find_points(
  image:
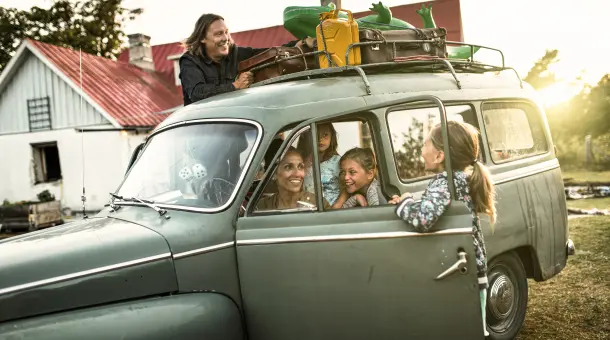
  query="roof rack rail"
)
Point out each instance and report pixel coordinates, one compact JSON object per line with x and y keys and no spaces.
{"x":486,"y":67}
{"x":423,"y":60}
{"x":397,"y":60}
{"x":316,"y":72}
{"x":472,"y":47}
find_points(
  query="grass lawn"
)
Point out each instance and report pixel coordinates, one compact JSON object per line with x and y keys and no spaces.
{"x":590,"y":203}
{"x":575,"y":304}
{"x":583,"y":176}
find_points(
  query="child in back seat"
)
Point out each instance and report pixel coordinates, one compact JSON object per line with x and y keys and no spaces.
{"x":329,"y":161}
{"x":473,"y":186}
{"x":360,"y":185}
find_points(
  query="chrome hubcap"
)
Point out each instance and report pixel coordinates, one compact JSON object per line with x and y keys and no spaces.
{"x":501,"y":297}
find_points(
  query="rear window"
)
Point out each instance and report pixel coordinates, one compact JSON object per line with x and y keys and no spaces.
{"x":514,"y":131}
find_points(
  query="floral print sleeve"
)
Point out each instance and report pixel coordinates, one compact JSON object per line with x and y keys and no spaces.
{"x":422,"y":216}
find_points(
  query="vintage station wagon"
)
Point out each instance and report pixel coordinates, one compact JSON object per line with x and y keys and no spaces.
{"x":181,"y":252}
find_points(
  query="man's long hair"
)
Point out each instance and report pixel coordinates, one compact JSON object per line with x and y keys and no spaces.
{"x":193,"y":42}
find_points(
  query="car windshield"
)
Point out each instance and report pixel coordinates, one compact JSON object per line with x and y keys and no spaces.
{"x":196,"y":165}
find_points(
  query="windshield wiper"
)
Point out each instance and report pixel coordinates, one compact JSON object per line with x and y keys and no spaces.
{"x":151,"y":204}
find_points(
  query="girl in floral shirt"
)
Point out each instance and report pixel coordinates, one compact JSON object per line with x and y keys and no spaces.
{"x":473,"y":186}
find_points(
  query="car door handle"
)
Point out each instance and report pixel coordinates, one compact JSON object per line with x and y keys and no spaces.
{"x":459,"y":265}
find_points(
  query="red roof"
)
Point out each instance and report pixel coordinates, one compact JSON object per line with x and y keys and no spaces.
{"x":446,"y":14}
{"x":127,"y":93}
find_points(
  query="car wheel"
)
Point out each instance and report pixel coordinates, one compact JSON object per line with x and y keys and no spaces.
{"x":506,"y":297}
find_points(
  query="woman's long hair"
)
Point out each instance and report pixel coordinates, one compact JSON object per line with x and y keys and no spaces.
{"x":464,"y":149}
{"x":193,"y":42}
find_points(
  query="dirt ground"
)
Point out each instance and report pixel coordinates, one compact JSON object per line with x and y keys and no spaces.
{"x":575,"y":305}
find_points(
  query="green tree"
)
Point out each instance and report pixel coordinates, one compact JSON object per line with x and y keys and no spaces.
{"x":539,"y":76}
{"x":95,"y":26}
{"x":410,"y":162}
{"x":593,"y":105}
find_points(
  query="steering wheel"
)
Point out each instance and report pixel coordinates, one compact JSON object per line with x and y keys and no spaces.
{"x":218,"y":190}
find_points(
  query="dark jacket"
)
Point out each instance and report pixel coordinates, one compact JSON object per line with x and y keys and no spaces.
{"x":203,"y":78}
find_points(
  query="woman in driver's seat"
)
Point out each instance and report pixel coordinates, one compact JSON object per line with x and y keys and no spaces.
{"x":288,"y":178}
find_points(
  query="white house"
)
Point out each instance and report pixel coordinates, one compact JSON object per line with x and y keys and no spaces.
{"x":52,"y":138}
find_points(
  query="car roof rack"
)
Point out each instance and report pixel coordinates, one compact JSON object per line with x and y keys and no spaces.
{"x":423,"y":63}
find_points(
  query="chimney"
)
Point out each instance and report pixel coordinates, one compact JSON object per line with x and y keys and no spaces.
{"x":140,"y":52}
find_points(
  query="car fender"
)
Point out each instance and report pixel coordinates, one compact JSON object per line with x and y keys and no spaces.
{"x":186,"y":316}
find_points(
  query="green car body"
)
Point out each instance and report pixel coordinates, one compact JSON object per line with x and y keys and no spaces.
{"x":205,"y":269}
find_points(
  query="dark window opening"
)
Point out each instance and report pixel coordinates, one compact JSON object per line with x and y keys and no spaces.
{"x":46,"y":163}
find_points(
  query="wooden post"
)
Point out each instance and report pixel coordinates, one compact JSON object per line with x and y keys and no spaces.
{"x":588,"y":150}
{"x":326,"y":2}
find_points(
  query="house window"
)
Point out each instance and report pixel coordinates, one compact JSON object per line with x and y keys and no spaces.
{"x":46,"y":163}
{"x":39,"y":113}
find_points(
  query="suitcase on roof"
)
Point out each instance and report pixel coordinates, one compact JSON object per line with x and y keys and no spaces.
{"x":278,"y":61}
{"x":401,"y":51}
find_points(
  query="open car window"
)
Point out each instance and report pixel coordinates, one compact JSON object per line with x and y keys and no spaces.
{"x":284,"y":190}
{"x":409,"y":128}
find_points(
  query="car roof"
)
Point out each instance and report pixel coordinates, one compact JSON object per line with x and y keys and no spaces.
{"x":296,"y":100}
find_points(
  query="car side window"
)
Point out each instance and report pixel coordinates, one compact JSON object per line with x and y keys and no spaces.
{"x":408,"y":130}
{"x":514,"y":130}
{"x":284,"y":191}
{"x":356,"y":166}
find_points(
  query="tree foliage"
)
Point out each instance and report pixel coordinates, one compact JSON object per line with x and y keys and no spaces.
{"x":540,"y":76}
{"x":95,"y":26}
{"x":409,"y":160}
{"x":587,"y":113}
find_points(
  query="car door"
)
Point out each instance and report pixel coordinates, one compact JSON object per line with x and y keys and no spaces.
{"x":358,"y":273}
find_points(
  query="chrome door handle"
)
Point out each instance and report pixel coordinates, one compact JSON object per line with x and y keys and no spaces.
{"x":459,"y":265}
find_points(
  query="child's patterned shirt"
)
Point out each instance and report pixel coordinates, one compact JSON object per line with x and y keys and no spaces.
{"x":435,"y":200}
{"x":329,"y":176}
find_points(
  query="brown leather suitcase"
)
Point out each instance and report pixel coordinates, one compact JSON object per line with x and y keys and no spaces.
{"x":379,"y":53}
{"x":263,"y":70}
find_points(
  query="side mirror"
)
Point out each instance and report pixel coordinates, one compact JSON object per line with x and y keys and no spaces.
{"x":134,"y":156}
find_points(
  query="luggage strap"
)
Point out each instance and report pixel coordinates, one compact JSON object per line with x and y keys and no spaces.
{"x":330,"y":61}
{"x":304,"y":59}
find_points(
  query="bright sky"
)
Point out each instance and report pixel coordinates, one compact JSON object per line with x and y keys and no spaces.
{"x":522,"y":29}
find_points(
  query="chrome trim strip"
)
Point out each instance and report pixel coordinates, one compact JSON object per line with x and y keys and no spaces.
{"x":242,"y":176}
{"x":367,"y":236}
{"x":84,"y":273}
{"x":204,"y":250}
{"x":535,"y":172}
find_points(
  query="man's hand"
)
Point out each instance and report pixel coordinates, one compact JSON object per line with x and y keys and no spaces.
{"x":244,"y":80}
{"x":308,"y":41}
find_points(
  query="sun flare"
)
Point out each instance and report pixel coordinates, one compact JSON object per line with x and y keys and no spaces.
{"x":557,"y":93}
